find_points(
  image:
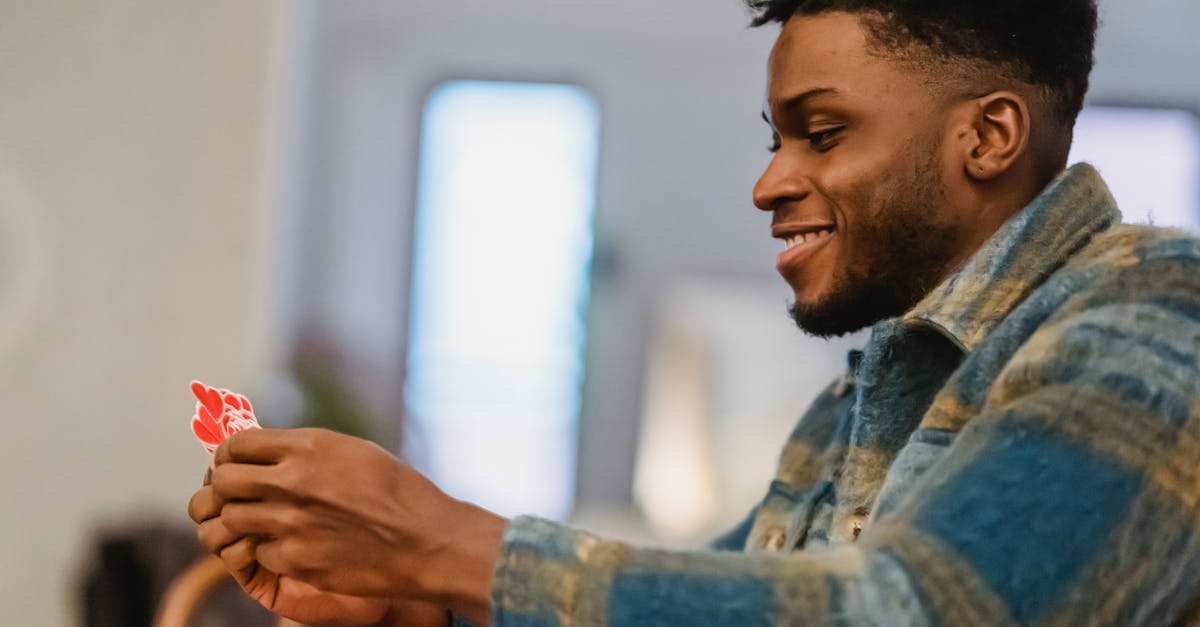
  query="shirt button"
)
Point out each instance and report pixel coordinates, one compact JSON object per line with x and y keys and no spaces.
{"x":853,"y":526}
{"x":773,"y":540}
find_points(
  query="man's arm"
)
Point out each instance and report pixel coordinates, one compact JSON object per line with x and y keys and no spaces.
{"x":1071,"y":498}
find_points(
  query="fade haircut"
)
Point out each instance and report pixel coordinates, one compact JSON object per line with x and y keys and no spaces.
{"x":1046,"y":44}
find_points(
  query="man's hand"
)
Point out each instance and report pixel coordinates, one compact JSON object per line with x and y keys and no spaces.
{"x":289,"y":597}
{"x":340,"y":514}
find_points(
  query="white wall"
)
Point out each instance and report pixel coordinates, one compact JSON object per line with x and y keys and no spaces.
{"x":131,"y":260}
{"x":1147,"y":53}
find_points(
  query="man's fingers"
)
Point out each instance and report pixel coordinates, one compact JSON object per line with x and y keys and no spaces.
{"x":255,"y":446}
{"x":245,"y":482}
{"x":273,"y":556}
{"x":261,"y":518}
{"x":204,"y":504}
{"x":239,"y":559}
{"x":215,"y":536}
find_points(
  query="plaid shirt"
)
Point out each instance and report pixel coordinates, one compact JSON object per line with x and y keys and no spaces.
{"x":1022,"y":447}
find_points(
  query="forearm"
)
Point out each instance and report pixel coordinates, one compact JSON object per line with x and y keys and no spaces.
{"x":550,"y":574}
{"x":1075,"y":450}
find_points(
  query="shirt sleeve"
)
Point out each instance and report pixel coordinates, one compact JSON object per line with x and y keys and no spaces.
{"x":1069,"y":498}
{"x":454,"y":620}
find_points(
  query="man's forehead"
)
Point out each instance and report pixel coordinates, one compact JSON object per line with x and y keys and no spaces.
{"x":830,"y":56}
{"x":814,"y":50}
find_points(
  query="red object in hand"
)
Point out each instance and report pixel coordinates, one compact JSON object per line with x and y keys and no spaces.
{"x":220,"y":414}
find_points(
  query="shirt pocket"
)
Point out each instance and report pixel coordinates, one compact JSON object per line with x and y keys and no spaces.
{"x":925,"y":448}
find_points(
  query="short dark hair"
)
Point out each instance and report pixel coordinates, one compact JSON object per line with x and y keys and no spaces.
{"x":1045,"y":43}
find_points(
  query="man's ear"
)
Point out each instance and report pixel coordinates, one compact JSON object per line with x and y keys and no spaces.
{"x":1001,"y":125}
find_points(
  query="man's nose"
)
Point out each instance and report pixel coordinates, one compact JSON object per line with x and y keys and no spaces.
{"x":781,"y":182}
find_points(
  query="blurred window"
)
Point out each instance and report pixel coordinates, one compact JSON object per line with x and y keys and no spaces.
{"x":503,"y":244}
{"x":1149,"y":157}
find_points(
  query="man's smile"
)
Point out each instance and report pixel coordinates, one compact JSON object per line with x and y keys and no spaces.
{"x":801,"y":240}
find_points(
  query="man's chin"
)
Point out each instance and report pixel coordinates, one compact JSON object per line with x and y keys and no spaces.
{"x":850,"y":301}
{"x":825,"y":322}
{"x":843,"y":311}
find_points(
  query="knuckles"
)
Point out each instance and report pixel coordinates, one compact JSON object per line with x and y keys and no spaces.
{"x":284,"y":556}
{"x":291,"y":519}
{"x":291,"y":479}
{"x":232,"y":481}
{"x":294,"y":555}
{"x":236,"y":517}
{"x":308,"y":441}
{"x":220,"y":481}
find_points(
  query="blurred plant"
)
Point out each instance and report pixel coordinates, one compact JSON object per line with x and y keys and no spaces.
{"x":331,"y":399}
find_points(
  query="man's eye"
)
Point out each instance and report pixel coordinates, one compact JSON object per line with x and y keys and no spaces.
{"x":824,"y":139}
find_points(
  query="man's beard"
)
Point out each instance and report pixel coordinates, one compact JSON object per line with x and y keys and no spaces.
{"x":911,"y":253}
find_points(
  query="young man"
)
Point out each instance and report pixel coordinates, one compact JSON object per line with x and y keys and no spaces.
{"x":1017,"y":443}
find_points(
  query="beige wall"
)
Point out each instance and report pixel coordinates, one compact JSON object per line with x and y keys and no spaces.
{"x":131,"y":259}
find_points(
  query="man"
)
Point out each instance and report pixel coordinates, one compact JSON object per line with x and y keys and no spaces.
{"x":1017,"y":443}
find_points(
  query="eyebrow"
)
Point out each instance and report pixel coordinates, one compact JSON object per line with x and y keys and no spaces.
{"x":792,"y":102}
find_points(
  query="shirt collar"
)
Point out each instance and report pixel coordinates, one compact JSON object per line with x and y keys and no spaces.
{"x":1018,"y":257}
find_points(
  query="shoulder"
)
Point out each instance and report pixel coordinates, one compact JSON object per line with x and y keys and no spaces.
{"x":1129,"y":321}
{"x":1135,"y":265}
{"x":1138,"y":247}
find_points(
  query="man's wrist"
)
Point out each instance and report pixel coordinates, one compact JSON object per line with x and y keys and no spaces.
{"x":407,"y":613}
{"x":460,"y":577}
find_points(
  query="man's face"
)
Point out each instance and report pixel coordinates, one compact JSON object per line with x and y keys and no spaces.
{"x":856,"y":186}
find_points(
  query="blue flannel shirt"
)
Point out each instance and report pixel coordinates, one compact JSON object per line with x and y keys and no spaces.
{"x":1023,"y":447}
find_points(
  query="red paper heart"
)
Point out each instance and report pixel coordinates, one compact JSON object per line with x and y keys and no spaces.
{"x":219,"y":414}
{"x":211,"y":399}
{"x":203,"y":432}
{"x":205,"y":420}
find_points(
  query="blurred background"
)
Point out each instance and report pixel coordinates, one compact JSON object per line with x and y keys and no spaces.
{"x":512,"y":242}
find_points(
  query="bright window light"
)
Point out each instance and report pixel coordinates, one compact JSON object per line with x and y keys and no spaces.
{"x":503,"y":245}
{"x":1150,"y":159}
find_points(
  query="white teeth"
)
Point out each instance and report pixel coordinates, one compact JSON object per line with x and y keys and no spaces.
{"x":804,"y":238}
